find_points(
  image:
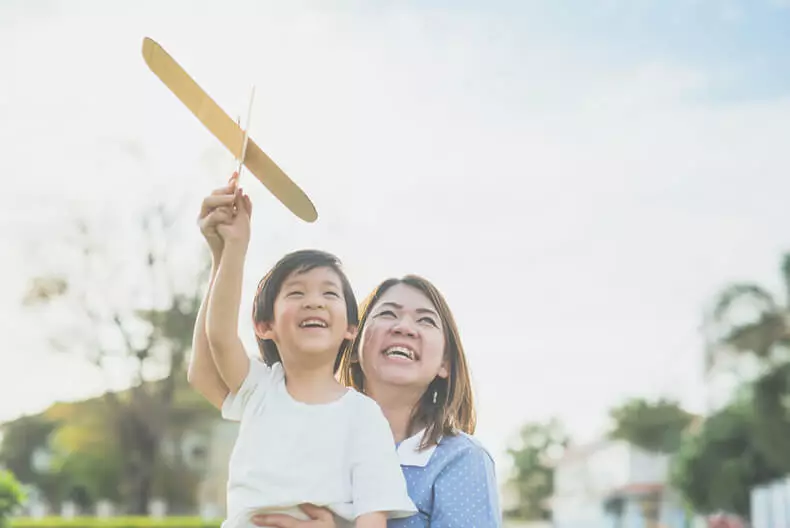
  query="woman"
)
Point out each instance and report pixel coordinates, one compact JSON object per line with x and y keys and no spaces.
{"x":409,"y":358}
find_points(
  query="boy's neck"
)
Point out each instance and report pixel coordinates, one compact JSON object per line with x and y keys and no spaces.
{"x":312,"y":384}
{"x":397,"y":404}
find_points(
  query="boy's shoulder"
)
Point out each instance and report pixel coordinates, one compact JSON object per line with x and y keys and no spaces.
{"x":363,"y":409}
{"x":362,"y":402}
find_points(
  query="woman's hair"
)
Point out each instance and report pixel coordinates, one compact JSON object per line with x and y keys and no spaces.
{"x":454,"y":409}
{"x":271,"y":284}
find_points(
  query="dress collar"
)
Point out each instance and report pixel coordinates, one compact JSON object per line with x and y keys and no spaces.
{"x":410,"y":454}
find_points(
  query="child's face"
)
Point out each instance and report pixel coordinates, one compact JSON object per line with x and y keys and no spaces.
{"x":403,"y":340}
{"x":310,"y":317}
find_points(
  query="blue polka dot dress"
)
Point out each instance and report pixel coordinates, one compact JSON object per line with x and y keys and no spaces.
{"x":452,"y":484}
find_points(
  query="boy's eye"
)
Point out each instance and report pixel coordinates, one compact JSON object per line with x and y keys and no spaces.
{"x":332,"y":294}
{"x":294,"y":293}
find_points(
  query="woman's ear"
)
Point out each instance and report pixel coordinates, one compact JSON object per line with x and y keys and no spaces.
{"x":444,"y":370}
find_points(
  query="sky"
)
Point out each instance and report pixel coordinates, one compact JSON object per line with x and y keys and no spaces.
{"x":579,"y":178}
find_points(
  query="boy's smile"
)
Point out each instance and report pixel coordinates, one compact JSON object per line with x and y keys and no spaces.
{"x":310,"y":317}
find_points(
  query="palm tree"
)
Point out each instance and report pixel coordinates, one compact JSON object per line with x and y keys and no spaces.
{"x":747,"y":322}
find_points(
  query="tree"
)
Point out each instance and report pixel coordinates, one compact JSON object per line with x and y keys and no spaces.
{"x":85,"y":458}
{"x":126,"y":301}
{"x":771,"y":416}
{"x":11,"y":496}
{"x":64,"y":452}
{"x":717,"y":466}
{"x":23,"y":440}
{"x":746,"y":319}
{"x":655,"y":426}
{"x":539,"y":445}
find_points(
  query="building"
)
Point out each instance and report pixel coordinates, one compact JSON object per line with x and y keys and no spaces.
{"x":597,"y":485}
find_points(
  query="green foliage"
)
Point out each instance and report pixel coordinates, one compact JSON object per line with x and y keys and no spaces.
{"x":88,"y":477}
{"x":745,"y":444}
{"x":716,"y":468}
{"x":655,"y":426}
{"x":764,"y":335}
{"x":771,"y":419}
{"x":21,"y":438}
{"x":539,"y":446}
{"x":11,"y":496}
{"x":116,"y":522}
{"x":81,"y":458}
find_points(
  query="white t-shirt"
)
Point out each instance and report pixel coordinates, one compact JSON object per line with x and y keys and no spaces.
{"x":340,"y":455}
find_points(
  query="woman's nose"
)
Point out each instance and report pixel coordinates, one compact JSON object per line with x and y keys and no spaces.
{"x":404,"y":327}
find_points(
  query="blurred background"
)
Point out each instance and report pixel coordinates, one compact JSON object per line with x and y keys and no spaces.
{"x":598,"y":187}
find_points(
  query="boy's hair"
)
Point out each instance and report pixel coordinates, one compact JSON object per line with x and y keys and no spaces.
{"x":270,"y":285}
{"x":454,"y":409}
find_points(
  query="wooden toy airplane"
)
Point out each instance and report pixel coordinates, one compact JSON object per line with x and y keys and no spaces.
{"x":228,"y":131}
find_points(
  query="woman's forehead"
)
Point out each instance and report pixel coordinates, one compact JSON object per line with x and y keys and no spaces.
{"x":405,"y":297}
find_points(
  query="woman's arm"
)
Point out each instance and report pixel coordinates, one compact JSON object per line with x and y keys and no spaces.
{"x":466,"y":493}
{"x":202,"y":373}
{"x":320,"y":518}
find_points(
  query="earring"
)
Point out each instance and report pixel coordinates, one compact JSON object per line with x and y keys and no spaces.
{"x":435,"y":393}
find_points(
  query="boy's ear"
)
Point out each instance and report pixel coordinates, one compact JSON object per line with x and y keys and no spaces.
{"x":351,"y":332}
{"x":264,"y":330}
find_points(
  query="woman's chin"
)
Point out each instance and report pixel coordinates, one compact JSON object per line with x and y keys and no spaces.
{"x":397,"y":375}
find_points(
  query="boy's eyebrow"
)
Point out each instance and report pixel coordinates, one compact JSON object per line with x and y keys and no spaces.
{"x":300,"y":282}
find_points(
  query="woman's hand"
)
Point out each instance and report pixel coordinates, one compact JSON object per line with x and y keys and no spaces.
{"x":319,"y":518}
{"x":216,"y":209}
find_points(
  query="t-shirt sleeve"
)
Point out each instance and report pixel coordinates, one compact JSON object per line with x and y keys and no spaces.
{"x":377,"y":480}
{"x":253,"y":389}
{"x":466,"y":493}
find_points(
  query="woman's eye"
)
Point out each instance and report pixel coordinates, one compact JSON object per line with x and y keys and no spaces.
{"x":428,"y":320}
{"x":387,"y":313}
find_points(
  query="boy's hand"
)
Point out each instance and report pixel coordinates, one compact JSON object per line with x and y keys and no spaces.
{"x":216,"y":209}
{"x":237,"y":231}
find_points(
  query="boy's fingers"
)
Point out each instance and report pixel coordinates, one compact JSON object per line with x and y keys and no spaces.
{"x":233,"y":180}
{"x":247,"y":204}
{"x":214,"y":201}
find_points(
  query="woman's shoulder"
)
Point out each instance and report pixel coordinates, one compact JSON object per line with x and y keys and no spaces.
{"x":463,"y":446}
{"x":462,"y":442}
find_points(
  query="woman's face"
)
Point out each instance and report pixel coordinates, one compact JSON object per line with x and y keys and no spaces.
{"x":402,"y":342}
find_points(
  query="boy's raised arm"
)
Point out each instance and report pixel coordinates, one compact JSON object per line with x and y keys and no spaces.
{"x":222,"y":316}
